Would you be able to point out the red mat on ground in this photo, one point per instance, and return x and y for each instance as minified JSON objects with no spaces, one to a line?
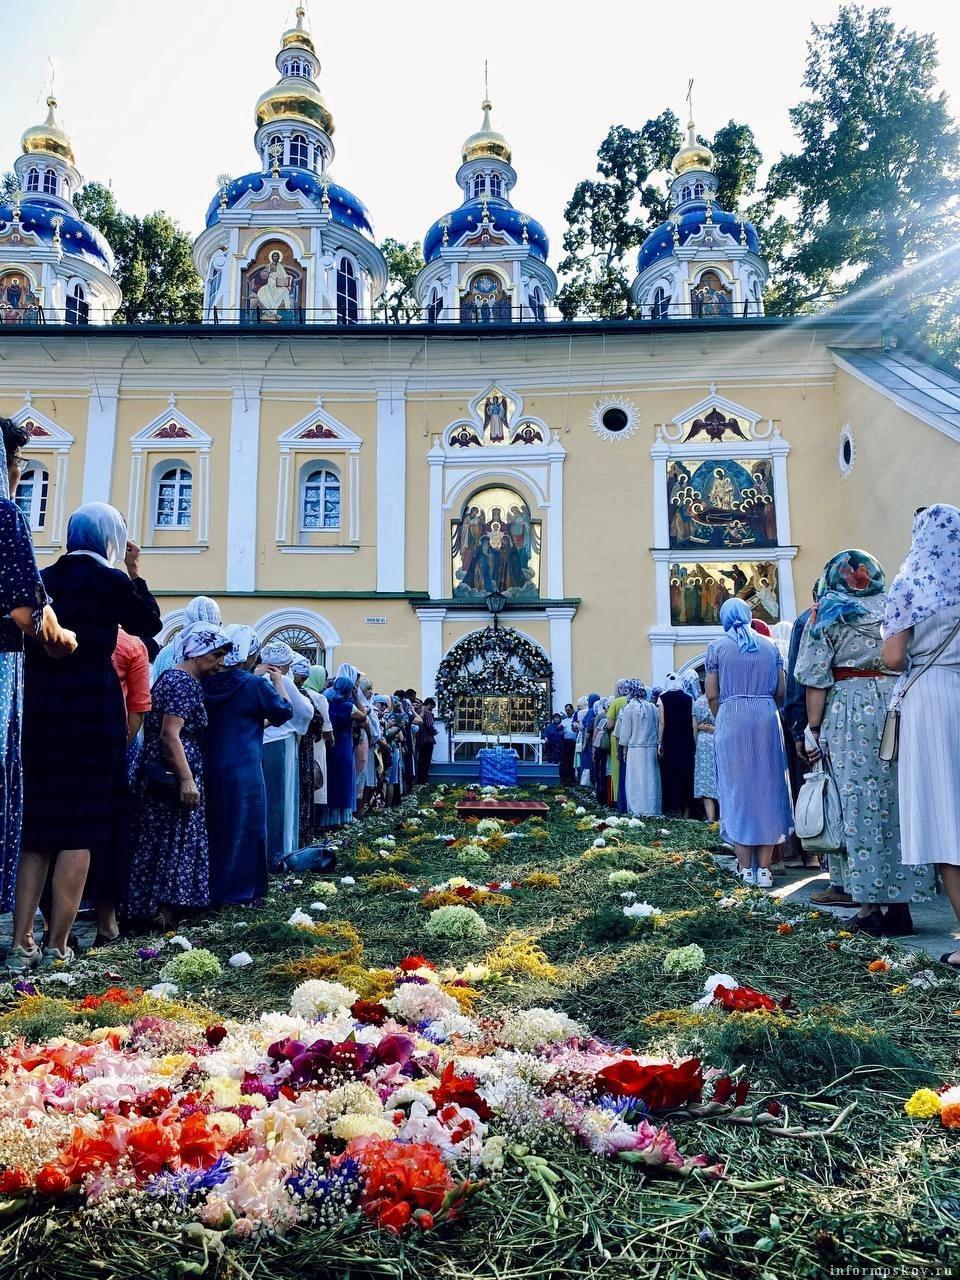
{"x":505,"y":810}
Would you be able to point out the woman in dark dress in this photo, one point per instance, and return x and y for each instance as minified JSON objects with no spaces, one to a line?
{"x":170,"y":870}
{"x":677,"y":747}
{"x":342,"y":781}
{"x":75,"y":728}
{"x":23,"y":611}
{"x":238,"y":703}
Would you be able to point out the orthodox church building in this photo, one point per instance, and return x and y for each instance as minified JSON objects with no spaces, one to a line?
{"x":374,"y":491}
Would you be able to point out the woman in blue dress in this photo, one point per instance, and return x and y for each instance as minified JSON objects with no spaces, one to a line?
{"x":745,"y":683}
{"x":23,"y":611}
{"x":238,"y":703}
{"x":342,"y":780}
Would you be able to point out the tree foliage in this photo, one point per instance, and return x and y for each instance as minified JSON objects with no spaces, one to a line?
{"x":154,"y":260}
{"x":874,"y":180}
{"x":404,"y":264}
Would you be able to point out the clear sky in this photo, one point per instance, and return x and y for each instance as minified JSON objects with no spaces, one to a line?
{"x":158,"y":95}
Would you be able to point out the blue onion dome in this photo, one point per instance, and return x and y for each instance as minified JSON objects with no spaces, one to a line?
{"x":78,"y":239}
{"x":660,"y":244}
{"x":345,"y":208}
{"x":469,"y":216}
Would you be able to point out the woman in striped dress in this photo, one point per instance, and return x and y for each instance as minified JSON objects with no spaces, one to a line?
{"x":745,"y":682}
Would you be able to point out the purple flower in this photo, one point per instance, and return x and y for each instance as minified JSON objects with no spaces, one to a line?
{"x":186,"y":1182}
{"x":25,"y":988}
{"x":148,"y":953}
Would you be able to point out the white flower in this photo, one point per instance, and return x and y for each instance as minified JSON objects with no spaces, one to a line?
{"x":300,"y":918}
{"x":599,"y":843}
{"x":318,"y":906}
{"x":347,"y":880}
{"x":579,"y":811}
{"x":316,"y":997}
{"x":179,"y":941}
{"x":727,"y":902}
{"x":628,"y":895}
{"x":641,"y":910}
{"x":531,"y":1028}
{"x":67,"y":979}
{"x":241,"y":960}
{"x":709,"y":987}
{"x":296,"y":882}
{"x":163,"y":990}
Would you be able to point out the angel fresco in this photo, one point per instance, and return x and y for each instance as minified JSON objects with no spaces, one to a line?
{"x":496,"y":547}
{"x":496,"y":418}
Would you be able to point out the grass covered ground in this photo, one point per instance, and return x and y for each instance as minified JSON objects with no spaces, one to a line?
{"x":841,"y":1177}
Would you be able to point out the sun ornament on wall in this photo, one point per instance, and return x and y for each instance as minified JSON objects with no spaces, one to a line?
{"x":614,"y":418}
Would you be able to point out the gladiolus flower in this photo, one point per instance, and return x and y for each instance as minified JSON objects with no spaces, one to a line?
{"x":51,"y":1180}
{"x":784,"y":928}
{"x":878,"y":966}
{"x":661,"y":1085}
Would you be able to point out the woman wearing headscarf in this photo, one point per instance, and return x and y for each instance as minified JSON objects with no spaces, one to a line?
{"x":200,"y":609}
{"x":345,"y":711}
{"x":848,"y":690}
{"x":363,"y":746}
{"x":239,"y":701}
{"x":637,"y":733}
{"x":745,"y":681}
{"x":426,"y":740}
{"x":75,"y":731}
{"x":170,"y":867}
{"x":614,"y":707}
{"x":281,"y":763}
{"x":601,"y":751}
{"x":24,"y":611}
{"x":586,"y":751}
{"x":922,"y":625}
{"x":314,"y":688}
{"x":306,"y":759}
{"x":677,"y":747}
{"x":705,"y":787}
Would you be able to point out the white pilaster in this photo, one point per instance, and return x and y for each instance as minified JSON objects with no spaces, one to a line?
{"x":431,"y":654}
{"x":435,"y":458}
{"x":561,"y":654}
{"x":101,"y":441}
{"x":242,"y":492}
{"x":661,"y":655}
{"x":557,"y":454}
{"x":391,"y":487}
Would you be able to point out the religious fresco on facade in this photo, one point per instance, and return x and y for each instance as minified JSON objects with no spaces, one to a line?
{"x":496,"y":547}
{"x":711,"y":297}
{"x":698,"y":591}
{"x":720,"y":503}
{"x":273,"y":287}
{"x":19,"y":304}
{"x":498,"y":423}
{"x":485,"y":301}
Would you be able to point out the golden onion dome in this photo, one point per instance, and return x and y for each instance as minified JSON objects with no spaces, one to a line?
{"x":486,"y":143}
{"x":692,"y":155}
{"x":294,"y":98}
{"x":299,"y":35}
{"x":49,"y":138}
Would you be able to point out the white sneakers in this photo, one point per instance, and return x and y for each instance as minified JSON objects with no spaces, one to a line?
{"x":761,"y":878}
{"x":748,"y":875}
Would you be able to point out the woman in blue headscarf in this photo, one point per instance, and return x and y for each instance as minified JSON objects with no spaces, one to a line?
{"x":744,"y":684}
{"x":341,"y":767}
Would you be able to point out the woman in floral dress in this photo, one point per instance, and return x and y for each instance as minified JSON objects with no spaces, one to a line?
{"x":170,"y":871}
{"x":848,"y":691}
{"x":705,"y":761}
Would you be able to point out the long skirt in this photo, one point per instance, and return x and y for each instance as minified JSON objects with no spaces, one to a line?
{"x":641,"y":774}
{"x":280,"y":773}
{"x":755,"y":804}
{"x":11,"y":776}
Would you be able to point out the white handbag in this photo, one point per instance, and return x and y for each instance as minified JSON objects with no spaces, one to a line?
{"x":818,"y":812}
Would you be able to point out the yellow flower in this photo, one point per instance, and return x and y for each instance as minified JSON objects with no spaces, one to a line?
{"x":226,"y":1092}
{"x":813,"y":915}
{"x":101,"y":1033}
{"x":901,"y":990}
{"x":922,"y":1105}
{"x":842,"y":933}
{"x":348,"y":1127}
{"x":172,"y":1063}
{"x":226,"y":1122}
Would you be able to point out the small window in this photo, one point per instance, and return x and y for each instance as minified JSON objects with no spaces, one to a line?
{"x":435,"y":309}
{"x":50,"y":182}
{"x":660,"y":305}
{"x":615,"y":420}
{"x":847,"y":454}
{"x":302,"y":641}
{"x":347,"y":310}
{"x":537,"y":306}
{"x":174,"y":506}
{"x":698,"y":191}
{"x":685,"y":193}
{"x":32,"y":494}
{"x":299,"y":153}
{"x":479,"y":186}
{"x":33,"y":180}
{"x":496,"y":185}
{"x":320,"y":505}
{"x":78,"y":309}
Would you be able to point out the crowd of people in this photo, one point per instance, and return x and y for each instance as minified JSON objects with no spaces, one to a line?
{"x":150,"y":782}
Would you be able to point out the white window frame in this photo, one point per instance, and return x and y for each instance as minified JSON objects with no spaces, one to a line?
{"x":36,"y":513}
{"x":298,"y":456}
{"x":53,"y":445}
{"x":192,"y":450}
{"x":495,"y":186}
{"x":309,"y":469}
{"x":161,"y":471}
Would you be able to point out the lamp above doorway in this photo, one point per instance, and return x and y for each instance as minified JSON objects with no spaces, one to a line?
{"x":496,"y":601}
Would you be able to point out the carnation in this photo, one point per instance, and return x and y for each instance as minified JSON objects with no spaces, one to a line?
{"x":415,"y":1003}
{"x":473,"y":853}
{"x":462,"y":923}
{"x":488,"y":827}
{"x":385,"y":842}
{"x":622,"y":879}
{"x":684,"y":959}
{"x":316,"y":997}
{"x":531,"y":1028}
{"x":324,"y":889}
{"x":348,"y":1127}
{"x":299,"y":919}
{"x":191,"y":966}
{"x":641,"y":910}
{"x":923,"y":1105}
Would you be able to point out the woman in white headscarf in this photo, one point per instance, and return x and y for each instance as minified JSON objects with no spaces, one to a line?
{"x":75,"y":735}
{"x":281,"y":755}
{"x":170,"y":868}
{"x":921,"y":629}
{"x":676,"y":746}
{"x":200,"y":609}
{"x":637,"y":734}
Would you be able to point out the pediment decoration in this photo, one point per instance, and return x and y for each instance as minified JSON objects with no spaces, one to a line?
{"x":320,"y":430}
{"x":496,"y":419}
{"x":42,"y":429}
{"x":171,"y":430}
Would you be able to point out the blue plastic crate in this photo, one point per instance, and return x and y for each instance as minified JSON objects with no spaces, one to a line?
{"x":498,"y":767}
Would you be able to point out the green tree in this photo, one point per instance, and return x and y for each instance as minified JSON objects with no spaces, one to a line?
{"x":874,"y":181}
{"x":404,"y":264}
{"x":8,"y":184}
{"x":154,"y":260}
{"x":608,"y":218}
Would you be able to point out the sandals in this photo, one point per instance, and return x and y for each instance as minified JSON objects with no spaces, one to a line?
{"x":945,"y":959}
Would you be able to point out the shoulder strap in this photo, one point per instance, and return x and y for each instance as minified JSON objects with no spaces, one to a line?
{"x":929,"y":663}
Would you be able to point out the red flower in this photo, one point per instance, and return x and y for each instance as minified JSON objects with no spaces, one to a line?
{"x":240,"y":1142}
{"x":402,"y":1181}
{"x":12,"y":1181}
{"x":150,"y":1146}
{"x":661,"y":1085}
{"x":723,"y":1090}
{"x":113,"y":995}
{"x":742,"y":999}
{"x":461,"y":1090}
{"x":51,"y":1180}
{"x":411,"y":963}
{"x":199,"y":1144}
{"x":215,"y":1035}
{"x":369,"y":1011}
{"x":464,"y":891}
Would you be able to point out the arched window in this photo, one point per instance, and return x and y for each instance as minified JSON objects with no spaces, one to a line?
{"x":347,"y":312}
{"x":299,"y":153}
{"x":479,"y":186}
{"x":50,"y":182}
{"x":302,"y":641}
{"x":33,"y":180}
{"x":173,"y":508}
{"x":320,"y":499}
{"x":537,"y":305}
{"x":698,"y":191}
{"x":660,"y":304}
{"x":496,"y":185}
{"x":435,"y":309}
{"x":78,"y":308}
{"x":685,"y":194}
{"x":32,"y":494}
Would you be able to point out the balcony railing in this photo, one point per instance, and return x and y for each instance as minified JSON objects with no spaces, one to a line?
{"x":465,"y":316}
